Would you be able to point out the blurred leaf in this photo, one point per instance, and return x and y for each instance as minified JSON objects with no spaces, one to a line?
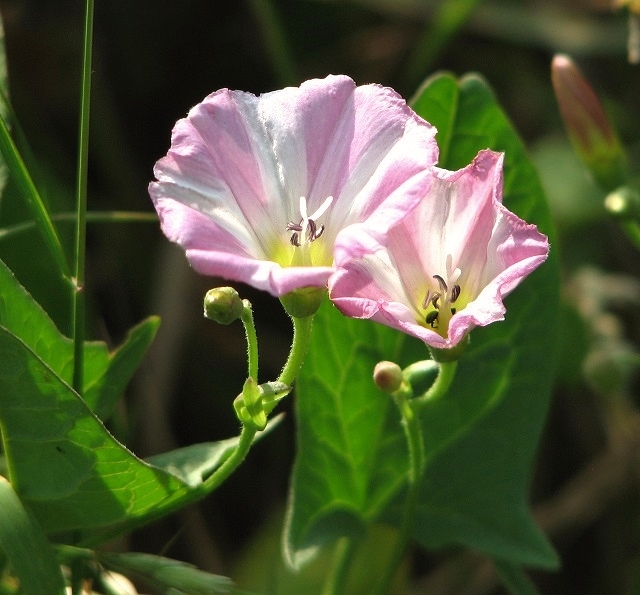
{"x":480,"y":440}
{"x":165,"y":573}
{"x":4,"y":94}
{"x":515,"y":579}
{"x":105,"y":374}
{"x":107,"y":377}
{"x":30,"y":555}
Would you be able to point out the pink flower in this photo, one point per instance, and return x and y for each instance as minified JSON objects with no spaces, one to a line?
{"x":445,"y":268}
{"x":258,"y":189}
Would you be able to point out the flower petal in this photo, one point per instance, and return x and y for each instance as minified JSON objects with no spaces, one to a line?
{"x":459,"y":224}
{"x":243,"y":163}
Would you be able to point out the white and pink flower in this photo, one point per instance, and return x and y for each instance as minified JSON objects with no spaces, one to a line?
{"x":444,"y":268}
{"x":259,"y":189}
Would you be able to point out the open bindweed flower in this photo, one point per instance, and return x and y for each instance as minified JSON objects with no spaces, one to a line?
{"x":445,"y":268}
{"x":257,"y":189}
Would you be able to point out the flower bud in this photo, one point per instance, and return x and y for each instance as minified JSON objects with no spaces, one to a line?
{"x":587,"y":124}
{"x":387,"y":376}
{"x":303,"y":302}
{"x":624,"y":203}
{"x":249,"y":405}
{"x":223,"y":305}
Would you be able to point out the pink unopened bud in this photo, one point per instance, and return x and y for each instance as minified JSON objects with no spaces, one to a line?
{"x":387,"y":376}
{"x":587,"y":124}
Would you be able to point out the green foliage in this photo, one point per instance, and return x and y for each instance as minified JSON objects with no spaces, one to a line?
{"x":74,"y":475}
{"x":105,"y":374}
{"x":180,"y":578}
{"x":480,"y":439}
{"x":26,"y":548}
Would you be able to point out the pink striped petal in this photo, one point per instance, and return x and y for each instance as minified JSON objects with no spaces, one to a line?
{"x":239,"y":164}
{"x":460,"y":232}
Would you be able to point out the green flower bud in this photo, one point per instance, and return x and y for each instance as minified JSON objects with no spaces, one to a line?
{"x":587,"y":124}
{"x":388,"y":376}
{"x":624,"y":203}
{"x":249,"y":405}
{"x":303,"y":302}
{"x":223,"y":305}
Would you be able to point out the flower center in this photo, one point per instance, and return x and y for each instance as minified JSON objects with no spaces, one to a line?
{"x":442,"y":300}
{"x":305,"y":233}
{"x":307,"y":230}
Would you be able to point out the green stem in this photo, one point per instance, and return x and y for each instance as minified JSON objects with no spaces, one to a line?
{"x":79,"y":299}
{"x":342,"y":556}
{"x":409,"y":410}
{"x":91,"y":217}
{"x":440,"y":387}
{"x":247,"y":435}
{"x":415,"y":445}
{"x":252,"y":340}
{"x":301,"y":337}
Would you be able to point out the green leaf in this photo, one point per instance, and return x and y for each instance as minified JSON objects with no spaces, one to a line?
{"x":168,"y":574}
{"x":71,"y":472}
{"x":107,"y":377}
{"x":105,"y":374}
{"x":480,"y":439}
{"x":344,"y":423}
{"x":30,"y":555}
{"x":25,"y":184}
{"x":62,"y":461}
{"x":475,"y":491}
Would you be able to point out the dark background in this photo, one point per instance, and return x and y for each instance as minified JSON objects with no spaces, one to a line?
{"x":152,"y":62}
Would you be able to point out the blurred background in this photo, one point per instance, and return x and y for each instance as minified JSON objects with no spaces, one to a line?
{"x":152,"y":62}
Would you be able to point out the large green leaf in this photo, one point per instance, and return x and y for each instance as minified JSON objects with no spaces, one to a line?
{"x":481,"y":438}
{"x":344,"y":423}
{"x":71,"y":472}
{"x":62,"y":461}
{"x":31,"y":557}
{"x":105,"y":374}
{"x":475,"y":491}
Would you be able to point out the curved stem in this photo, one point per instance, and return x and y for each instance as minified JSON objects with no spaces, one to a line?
{"x":342,"y":556}
{"x":247,"y":435}
{"x":439,"y":388}
{"x":409,"y":410}
{"x":252,"y":340}
{"x":415,"y":445}
{"x":301,"y":337}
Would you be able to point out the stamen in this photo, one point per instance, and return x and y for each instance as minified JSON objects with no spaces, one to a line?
{"x":442,"y":301}
{"x":443,"y":285}
{"x":308,"y":230}
{"x":432,"y":318}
